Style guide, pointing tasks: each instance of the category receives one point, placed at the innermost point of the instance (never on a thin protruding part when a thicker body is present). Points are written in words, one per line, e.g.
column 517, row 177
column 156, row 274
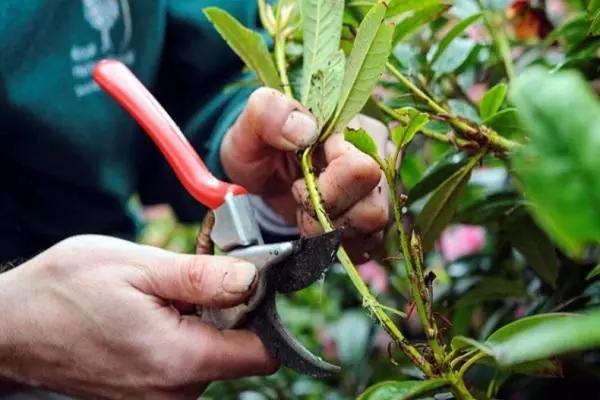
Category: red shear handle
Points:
column 118, row 80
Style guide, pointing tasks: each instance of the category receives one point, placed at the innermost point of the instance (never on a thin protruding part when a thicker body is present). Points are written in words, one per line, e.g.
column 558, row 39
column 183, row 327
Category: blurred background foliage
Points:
column 493, row 263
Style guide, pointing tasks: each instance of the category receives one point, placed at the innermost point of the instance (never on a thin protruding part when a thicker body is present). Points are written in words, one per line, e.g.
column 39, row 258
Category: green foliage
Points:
column 453, row 33
column 402, row 390
column 325, row 86
column 403, row 135
column 525, row 235
column 397, row 7
column 496, row 141
column 366, row 62
column 247, row 44
column 321, row 28
column 442, row 205
column 362, row 141
column 492, row 101
column 563, row 116
column 417, row 20
column 550, row 338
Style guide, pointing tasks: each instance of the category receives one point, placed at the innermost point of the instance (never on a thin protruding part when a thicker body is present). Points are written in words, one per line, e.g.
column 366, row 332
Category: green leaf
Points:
column 508, row 331
column 594, row 14
column 457, row 53
column 397, row 7
column 491, row 289
column 550, row 338
column 410, row 24
column 436, row 174
column 372, row 47
column 324, row 89
column 490, row 209
column 453, row 33
column 402, row 390
column 562, row 114
column 544, row 367
column 505, row 122
column 462, row 342
column 533, row 243
column 247, row 44
column 492, row 101
column 593, row 273
column 402, row 135
column 362, row 141
column 322, row 30
column 441, row 206
column 351, row 336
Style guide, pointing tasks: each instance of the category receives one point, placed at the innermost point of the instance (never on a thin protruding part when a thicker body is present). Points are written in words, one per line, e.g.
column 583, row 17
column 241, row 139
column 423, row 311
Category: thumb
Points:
column 271, row 120
column 212, row 281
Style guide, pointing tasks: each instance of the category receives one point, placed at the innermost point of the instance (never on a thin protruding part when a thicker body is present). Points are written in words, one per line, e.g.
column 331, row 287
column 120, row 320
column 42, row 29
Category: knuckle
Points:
column 194, row 273
column 366, row 170
column 260, row 97
column 375, row 217
column 308, row 225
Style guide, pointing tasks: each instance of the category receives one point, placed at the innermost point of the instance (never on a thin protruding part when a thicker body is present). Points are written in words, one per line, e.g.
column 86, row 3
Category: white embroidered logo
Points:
column 102, row 16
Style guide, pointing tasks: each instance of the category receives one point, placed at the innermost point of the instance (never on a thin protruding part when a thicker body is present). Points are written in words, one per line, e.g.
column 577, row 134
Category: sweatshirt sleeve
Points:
column 201, row 86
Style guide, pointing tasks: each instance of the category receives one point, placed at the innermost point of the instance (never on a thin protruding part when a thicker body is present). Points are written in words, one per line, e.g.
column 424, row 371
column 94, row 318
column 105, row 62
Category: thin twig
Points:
column 481, row 135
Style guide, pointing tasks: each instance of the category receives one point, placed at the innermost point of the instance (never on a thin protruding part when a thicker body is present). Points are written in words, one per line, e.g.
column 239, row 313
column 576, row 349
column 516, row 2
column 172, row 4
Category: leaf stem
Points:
column 280, row 43
column 493, row 386
column 463, row 357
column 481, row 135
column 280, row 60
column 469, row 364
column 414, row 269
column 368, row 299
column 429, row 133
column 494, row 26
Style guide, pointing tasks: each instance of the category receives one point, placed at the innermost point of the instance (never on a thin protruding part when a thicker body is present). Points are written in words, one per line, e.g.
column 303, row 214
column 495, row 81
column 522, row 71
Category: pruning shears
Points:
column 283, row 267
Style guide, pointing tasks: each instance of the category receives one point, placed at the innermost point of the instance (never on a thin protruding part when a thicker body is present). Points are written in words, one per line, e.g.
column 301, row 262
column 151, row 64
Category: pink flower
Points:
column 374, row 275
column 151, row 213
column 461, row 240
column 477, row 32
column 476, row 92
column 557, row 8
column 327, row 343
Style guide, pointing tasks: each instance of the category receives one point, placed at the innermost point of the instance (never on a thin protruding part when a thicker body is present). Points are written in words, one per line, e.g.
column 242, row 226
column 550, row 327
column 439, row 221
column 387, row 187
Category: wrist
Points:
column 15, row 298
column 8, row 327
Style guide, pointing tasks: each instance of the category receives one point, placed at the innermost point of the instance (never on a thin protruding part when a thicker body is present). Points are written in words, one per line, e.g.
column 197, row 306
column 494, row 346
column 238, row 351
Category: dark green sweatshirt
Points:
column 70, row 157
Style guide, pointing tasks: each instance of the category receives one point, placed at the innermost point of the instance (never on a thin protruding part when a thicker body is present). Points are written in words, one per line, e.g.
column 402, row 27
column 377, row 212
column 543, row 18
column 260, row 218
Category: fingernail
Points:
column 239, row 278
column 299, row 130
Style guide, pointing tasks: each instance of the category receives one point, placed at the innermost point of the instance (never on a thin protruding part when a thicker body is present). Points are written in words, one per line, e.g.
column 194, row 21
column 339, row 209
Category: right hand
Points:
column 92, row 318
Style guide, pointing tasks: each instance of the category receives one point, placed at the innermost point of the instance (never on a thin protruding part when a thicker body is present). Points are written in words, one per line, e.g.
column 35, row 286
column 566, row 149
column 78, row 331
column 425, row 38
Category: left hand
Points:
column 259, row 153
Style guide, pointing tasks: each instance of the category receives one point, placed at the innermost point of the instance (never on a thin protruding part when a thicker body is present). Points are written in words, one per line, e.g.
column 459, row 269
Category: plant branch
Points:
column 481, row 135
column 368, row 299
column 413, row 267
column 280, row 60
column 496, row 30
column 429, row 133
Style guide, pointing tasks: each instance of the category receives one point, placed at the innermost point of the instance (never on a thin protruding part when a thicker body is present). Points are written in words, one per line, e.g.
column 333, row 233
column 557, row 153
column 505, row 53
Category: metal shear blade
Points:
column 307, row 264
column 310, row 260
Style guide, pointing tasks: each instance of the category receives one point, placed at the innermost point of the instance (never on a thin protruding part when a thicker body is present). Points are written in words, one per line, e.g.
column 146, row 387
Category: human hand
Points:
column 259, row 153
column 91, row 317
